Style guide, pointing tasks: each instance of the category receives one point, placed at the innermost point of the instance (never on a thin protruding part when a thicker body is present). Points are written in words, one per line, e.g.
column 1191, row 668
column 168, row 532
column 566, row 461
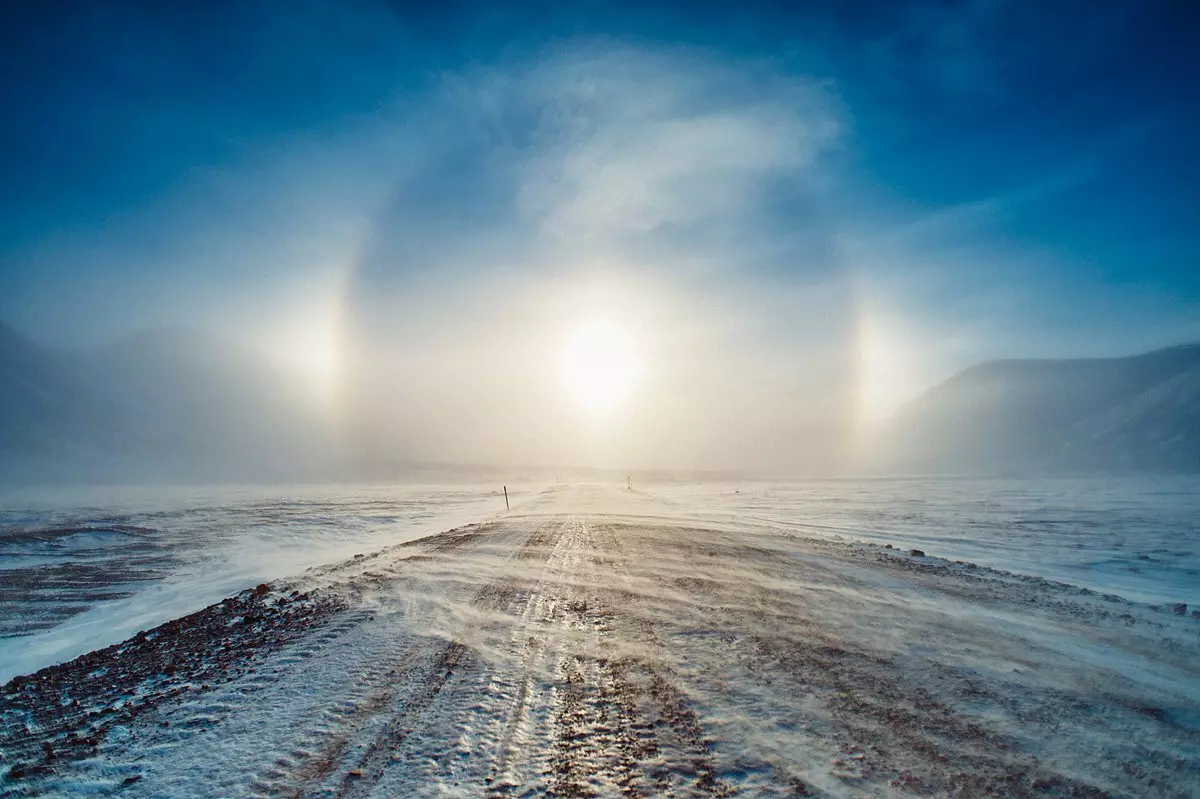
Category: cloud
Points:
column 638, row 185
column 699, row 152
column 609, row 142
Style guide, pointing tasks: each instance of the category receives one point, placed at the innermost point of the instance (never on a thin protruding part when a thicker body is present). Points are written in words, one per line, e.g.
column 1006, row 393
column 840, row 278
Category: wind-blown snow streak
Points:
column 599, row 642
column 81, row 571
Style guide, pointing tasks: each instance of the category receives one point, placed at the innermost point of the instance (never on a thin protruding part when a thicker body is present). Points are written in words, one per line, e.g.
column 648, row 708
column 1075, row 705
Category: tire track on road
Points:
column 357, row 776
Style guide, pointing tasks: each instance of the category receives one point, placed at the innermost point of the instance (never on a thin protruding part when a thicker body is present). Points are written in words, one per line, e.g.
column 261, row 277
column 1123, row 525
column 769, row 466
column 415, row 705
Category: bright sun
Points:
column 600, row 366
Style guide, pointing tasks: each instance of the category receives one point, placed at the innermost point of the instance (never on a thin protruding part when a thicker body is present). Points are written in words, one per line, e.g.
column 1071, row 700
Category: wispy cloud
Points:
column 629, row 142
column 638, row 184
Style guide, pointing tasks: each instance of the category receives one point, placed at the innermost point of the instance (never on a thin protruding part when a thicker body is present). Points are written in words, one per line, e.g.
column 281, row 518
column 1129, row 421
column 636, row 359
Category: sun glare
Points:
column 600, row 366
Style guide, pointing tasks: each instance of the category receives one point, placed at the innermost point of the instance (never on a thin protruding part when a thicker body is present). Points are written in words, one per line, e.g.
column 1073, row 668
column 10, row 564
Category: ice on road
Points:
column 603, row 642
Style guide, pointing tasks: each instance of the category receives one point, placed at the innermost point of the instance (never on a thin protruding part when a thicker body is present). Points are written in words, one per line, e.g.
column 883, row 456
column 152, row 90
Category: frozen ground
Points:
column 1134, row 536
column 90, row 567
column 599, row 642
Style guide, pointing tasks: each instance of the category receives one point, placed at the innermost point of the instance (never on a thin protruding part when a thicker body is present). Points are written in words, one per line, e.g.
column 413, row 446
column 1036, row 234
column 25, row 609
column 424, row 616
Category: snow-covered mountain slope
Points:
column 1136, row 413
column 1158, row 427
column 49, row 412
column 166, row 403
column 602, row 642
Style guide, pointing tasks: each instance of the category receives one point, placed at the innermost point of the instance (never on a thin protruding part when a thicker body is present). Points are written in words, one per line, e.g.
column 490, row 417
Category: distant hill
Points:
column 163, row 404
column 48, row 410
column 1140, row 413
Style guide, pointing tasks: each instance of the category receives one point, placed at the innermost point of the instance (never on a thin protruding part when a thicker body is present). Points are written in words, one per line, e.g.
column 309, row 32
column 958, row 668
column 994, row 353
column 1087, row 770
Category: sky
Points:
column 796, row 217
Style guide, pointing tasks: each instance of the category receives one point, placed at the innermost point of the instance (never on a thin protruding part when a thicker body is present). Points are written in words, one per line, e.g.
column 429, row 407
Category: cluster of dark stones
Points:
column 63, row 712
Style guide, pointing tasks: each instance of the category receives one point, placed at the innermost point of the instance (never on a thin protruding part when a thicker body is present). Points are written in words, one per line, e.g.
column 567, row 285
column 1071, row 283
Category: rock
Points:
column 887, row 546
column 131, row 779
column 262, row 590
column 1180, row 609
column 916, row 553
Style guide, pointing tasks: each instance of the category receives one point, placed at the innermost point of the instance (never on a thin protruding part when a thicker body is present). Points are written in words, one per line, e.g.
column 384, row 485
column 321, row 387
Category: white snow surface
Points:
column 1138, row 537
column 666, row 642
column 130, row 558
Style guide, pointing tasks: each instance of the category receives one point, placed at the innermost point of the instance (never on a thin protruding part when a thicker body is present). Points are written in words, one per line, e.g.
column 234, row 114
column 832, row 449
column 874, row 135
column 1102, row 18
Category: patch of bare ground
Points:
column 660, row 735
column 905, row 729
column 63, row 712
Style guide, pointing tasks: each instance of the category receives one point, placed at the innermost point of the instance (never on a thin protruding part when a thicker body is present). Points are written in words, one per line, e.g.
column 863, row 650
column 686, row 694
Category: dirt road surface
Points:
column 603, row 642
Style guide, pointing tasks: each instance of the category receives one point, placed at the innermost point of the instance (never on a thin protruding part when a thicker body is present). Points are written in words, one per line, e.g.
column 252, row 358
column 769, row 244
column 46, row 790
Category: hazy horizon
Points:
column 606, row 236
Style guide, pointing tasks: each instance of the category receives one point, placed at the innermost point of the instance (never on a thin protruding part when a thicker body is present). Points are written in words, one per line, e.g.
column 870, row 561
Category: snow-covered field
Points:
column 1134, row 536
column 86, row 568
column 757, row 639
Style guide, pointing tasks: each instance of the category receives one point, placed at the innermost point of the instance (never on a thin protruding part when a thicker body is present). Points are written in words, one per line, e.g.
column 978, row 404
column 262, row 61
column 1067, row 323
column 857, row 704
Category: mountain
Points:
column 1139, row 413
column 48, row 412
column 162, row 404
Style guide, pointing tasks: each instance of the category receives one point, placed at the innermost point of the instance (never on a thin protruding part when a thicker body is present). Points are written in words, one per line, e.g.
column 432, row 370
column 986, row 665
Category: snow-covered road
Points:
column 600, row 642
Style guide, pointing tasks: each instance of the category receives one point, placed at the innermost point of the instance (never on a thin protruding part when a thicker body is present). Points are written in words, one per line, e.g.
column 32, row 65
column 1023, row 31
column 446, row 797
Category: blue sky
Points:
column 986, row 178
